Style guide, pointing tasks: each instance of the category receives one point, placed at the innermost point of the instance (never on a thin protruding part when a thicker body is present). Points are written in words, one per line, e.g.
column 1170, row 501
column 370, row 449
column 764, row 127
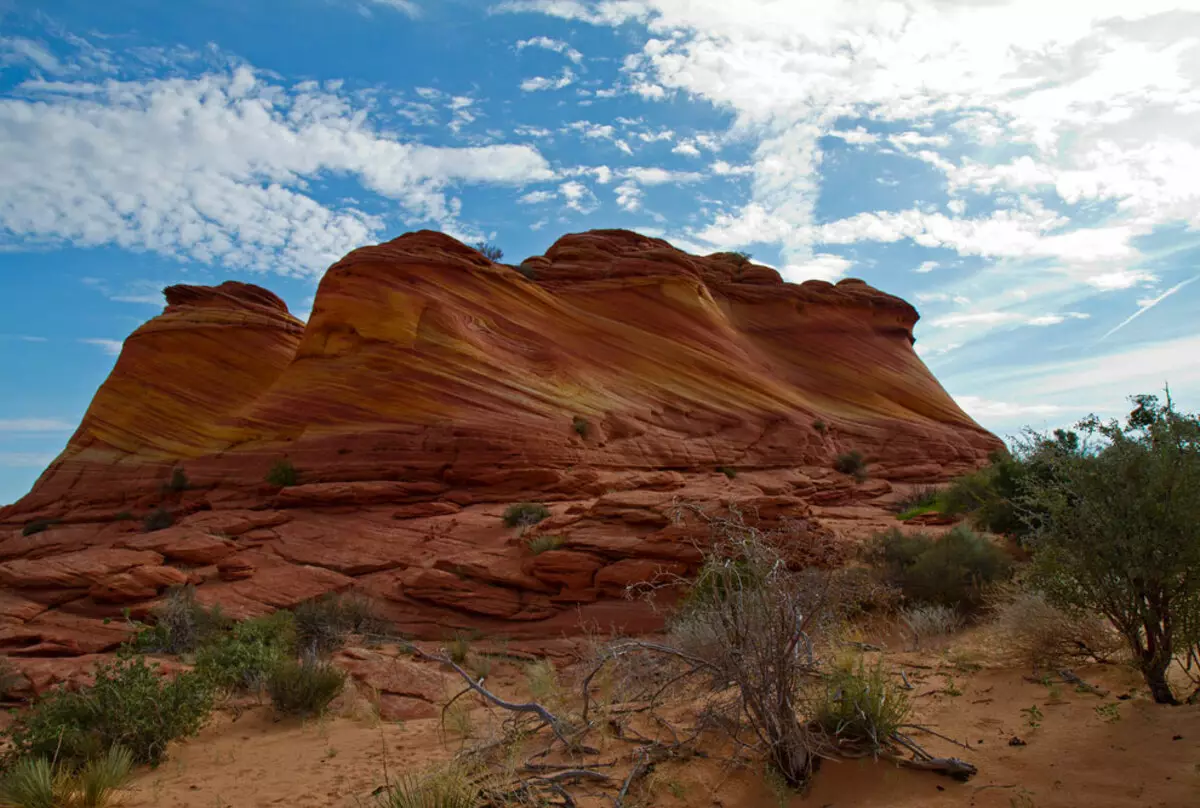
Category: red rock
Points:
column 282, row 587
column 425, row 509
column 615, row 579
column 139, row 583
column 73, row 570
column 57, row 633
column 406, row 689
column 447, row 589
column 568, row 569
column 232, row 523
column 183, row 544
column 235, row 569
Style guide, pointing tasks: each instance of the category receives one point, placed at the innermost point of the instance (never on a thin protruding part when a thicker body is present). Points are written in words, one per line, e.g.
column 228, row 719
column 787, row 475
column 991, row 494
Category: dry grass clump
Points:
column 1045, row 636
column 930, row 622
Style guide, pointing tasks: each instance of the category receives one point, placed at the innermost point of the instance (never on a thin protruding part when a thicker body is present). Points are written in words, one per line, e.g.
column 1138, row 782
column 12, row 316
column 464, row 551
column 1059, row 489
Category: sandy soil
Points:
column 1086, row 751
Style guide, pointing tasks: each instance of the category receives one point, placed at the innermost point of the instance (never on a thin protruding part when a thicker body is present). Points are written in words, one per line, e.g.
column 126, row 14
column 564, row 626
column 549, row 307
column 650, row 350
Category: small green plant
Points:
column 130, row 705
column 451, row 786
column 158, row 519
column 304, row 688
column 180, row 624
column 543, row 681
column 322, row 625
column 458, row 648
column 1108, row 713
column 581, row 426
column 728, row 471
column 39, row 783
column 1033, row 716
column 820, row 426
column 524, row 514
column 861, row 705
column 851, row 463
column 951, row 689
column 243, row 658
column 489, row 251
column 283, row 474
column 178, row 483
column 924, row 499
column 543, row 542
column 38, row 525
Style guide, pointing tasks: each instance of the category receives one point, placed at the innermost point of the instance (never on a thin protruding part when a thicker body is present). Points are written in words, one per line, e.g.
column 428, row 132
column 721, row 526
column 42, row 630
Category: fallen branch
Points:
column 1071, row 677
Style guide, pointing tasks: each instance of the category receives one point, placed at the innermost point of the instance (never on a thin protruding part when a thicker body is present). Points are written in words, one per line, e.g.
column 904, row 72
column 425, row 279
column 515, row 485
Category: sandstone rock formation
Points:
column 609, row 378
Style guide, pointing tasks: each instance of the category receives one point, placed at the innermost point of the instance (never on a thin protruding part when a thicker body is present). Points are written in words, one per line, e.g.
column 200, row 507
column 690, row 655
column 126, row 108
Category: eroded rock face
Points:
column 608, row 378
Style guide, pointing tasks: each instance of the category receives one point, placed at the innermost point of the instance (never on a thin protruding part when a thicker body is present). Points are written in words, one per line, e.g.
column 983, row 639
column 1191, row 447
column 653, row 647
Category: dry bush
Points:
column 930, row 622
column 1046, row 636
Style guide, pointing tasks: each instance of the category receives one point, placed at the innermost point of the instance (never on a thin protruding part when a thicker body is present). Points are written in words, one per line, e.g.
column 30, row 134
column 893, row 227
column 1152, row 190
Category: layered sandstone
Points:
column 611, row 375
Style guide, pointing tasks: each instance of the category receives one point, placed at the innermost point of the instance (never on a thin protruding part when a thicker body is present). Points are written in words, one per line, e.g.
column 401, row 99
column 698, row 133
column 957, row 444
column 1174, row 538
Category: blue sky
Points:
column 1025, row 173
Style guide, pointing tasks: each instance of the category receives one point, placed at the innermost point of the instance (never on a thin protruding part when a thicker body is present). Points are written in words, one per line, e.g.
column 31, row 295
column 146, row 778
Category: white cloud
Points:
column 109, row 346
column 926, row 266
column 724, row 169
column 858, row 135
column 629, row 196
column 23, row 460
column 15, row 49
column 403, row 6
column 213, row 169
column 1146, row 304
column 652, row 175
column 556, row 45
column 607, row 12
column 995, row 317
column 985, row 409
column 686, row 147
column 532, row 131
column 539, row 83
column 578, row 196
column 35, row 425
column 823, row 267
column 536, row 197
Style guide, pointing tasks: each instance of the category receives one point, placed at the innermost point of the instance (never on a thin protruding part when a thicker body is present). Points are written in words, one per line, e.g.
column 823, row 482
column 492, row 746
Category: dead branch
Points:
column 937, row 735
column 1071, row 677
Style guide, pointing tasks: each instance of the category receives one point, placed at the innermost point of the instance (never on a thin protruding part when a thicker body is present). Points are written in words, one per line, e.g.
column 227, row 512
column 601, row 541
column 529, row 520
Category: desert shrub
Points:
column 459, row 648
column 1046, row 636
column 954, row 570
column 524, row 514
column 1120, row 535
column 180, row 624
column 450, row 786
column 753, row 630
column 243, row 658
column 820, row 426
column 38, row 525
column 861, row 705
column 178, row 482
column 543, row 542
column 489, row 250
column 129, row 705
column 123, row 516
column 530, row 273
column 931, row 621
column 39, row 783
column 851, row 463
column 304, row 687
column 728, row 471
column 283, row 474
column 322, row 625
column 922, row 499
column 581, row 426
column 158, row 519
column 10, row 677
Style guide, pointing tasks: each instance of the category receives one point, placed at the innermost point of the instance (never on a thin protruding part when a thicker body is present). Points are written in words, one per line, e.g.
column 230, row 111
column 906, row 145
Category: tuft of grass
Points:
column 851, row 463
column 158, row 519
column 459, row 648
column 1046, row 636
column 728, row 471
column 524, row 514
column 861, row 705
column 322, row 625
column 581, row 426
column 283, row 474
column 924, row 499
column 34, row 526
column 543, row 542
column 304, row 688
column 39, row 783
column 451, row 786
column 181, row 624
column 930, row 621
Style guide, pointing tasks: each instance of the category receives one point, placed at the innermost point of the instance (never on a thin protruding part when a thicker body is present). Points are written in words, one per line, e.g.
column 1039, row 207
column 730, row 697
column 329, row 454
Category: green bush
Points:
column 954, row 570
column 39, row 783
column 129, row 705
column 283, row 474
column 820, row 426
column 158, row 519
column 543, row 542
column 489, row 251
column 581, row 426
column 728, row 471
column 38, row 525
column 851, row 463
column 322, row 625
column 861, row 706
column 304, row 688
column 181, row 624
column 1119, row 533
column 923, row 499
column 524, row 514
column 243, row 658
